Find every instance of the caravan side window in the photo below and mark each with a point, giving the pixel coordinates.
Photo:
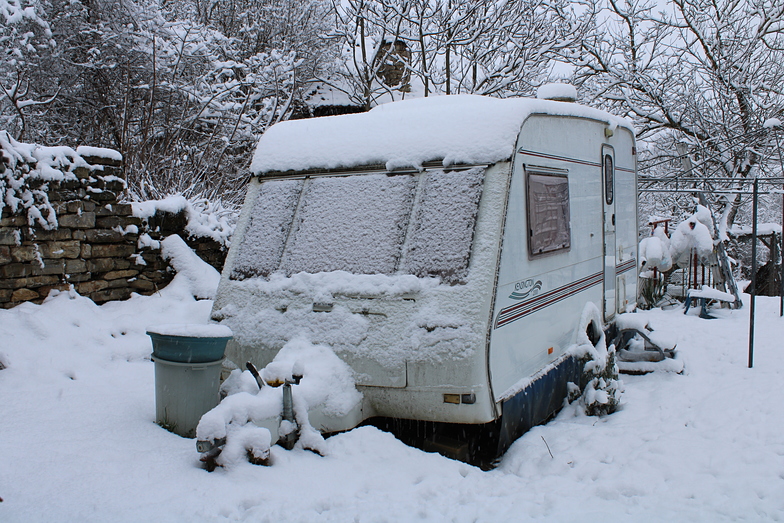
(548, 212)
(609, 173)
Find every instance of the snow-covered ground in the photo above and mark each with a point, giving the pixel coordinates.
(78, 440)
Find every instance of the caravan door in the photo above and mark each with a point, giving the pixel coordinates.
(608, 183)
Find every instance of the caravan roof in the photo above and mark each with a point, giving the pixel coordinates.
(455, 129)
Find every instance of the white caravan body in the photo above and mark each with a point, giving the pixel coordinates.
(444, 248)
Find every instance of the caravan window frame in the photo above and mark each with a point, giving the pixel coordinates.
(534, 220)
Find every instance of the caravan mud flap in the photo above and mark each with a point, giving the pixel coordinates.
(538, 401)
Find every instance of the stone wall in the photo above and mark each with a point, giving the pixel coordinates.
(72, 230)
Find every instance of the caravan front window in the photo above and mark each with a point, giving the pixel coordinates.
(351, 223)
(270, 221)
(421, 224)
(548, 213)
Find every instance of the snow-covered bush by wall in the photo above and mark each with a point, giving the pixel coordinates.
(205, 218)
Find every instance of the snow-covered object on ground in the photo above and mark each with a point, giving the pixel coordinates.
(25, 172)
(711, 294)
(452, 129)
(203, 277)
(691, 234)
(654, 254)
(770, 123)
(206, 219)
(327, 384)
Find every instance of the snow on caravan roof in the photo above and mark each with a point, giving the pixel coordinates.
(455, 129)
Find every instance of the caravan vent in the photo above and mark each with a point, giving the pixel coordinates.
(557, 92)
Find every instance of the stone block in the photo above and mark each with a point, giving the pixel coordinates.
(104, 236)
(5, 255)
(86, 251)
(5, 295)
(54, 234)
(80, 206)
(142, 285)
(114, 275)
(82, 173)
(123, 209)
(50, 267)
(77, 278)
(24, 253)
(62, 249)
(66, 195)
(79, 234)
(109, 222)
(75, 266)
(111, 250)
(158, 276)
(102, 196)
(89, 287)
(24, 295)
(115, 186)
(13, 221)
(9, 236)
(37, 281)
(101, 264)
(86, 220)
(168, 223)
(111, 295)
(100, 160)
(72, 184)
(117, 284)
(13, 283)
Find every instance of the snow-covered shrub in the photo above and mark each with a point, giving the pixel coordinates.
(204, 218)
(602, 392)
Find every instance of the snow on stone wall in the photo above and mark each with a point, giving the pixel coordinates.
(62, 225)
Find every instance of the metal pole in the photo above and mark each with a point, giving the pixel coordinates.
(781, 236)
(753, 287)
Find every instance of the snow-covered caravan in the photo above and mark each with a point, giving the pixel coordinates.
(448, 249)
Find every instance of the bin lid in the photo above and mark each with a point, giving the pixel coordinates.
(191, 330)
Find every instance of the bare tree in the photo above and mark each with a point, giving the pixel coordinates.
(706, 73)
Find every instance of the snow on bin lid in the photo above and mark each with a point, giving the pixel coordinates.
(191, 330)
(454, 129)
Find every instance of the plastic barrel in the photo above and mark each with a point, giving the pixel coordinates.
(184, 392)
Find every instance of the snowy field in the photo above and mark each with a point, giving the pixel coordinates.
(78, 440)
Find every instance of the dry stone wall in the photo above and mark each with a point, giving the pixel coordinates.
(59, 231)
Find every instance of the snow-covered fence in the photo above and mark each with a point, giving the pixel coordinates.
(62, 224)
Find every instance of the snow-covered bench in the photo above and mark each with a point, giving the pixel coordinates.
(704, 295)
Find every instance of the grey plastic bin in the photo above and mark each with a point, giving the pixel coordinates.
(184, 392)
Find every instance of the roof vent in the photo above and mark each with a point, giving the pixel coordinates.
(557, 92)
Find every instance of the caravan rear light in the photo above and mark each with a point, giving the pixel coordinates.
(550, 350)
(456, 399)
(452, 398)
